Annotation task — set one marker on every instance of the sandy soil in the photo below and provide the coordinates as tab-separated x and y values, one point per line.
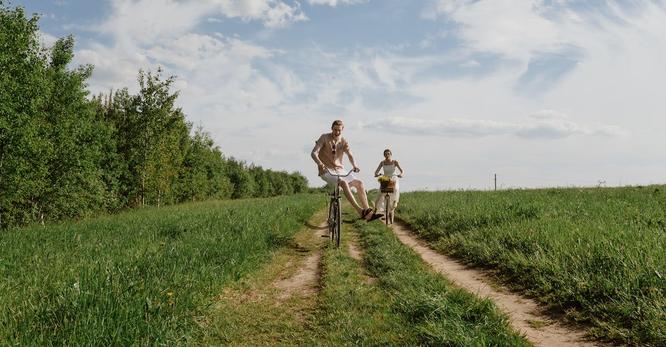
305	280
525	315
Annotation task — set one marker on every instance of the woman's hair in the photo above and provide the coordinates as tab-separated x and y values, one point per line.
388	150
336	122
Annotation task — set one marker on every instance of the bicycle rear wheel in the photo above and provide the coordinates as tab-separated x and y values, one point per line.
333	225
331	219
338	228
387	209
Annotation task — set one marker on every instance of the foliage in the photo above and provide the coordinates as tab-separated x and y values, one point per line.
24	148
66	155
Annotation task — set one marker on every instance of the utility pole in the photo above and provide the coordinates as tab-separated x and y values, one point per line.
495	181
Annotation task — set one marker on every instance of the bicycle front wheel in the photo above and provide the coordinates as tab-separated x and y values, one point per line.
338	225
331	219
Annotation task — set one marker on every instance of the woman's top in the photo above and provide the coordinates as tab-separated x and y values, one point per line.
389	169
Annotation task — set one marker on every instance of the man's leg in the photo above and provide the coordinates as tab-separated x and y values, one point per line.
360	190
350	197
362	195
378	201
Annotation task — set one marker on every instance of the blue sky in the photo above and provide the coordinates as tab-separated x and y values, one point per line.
541	92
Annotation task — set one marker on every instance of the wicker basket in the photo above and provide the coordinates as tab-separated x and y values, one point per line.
387	187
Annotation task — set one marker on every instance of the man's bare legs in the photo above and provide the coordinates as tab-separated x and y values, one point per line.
362	195
350	196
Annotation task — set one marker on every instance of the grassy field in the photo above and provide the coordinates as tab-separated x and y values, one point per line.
422	302
142	277
389	298
597	254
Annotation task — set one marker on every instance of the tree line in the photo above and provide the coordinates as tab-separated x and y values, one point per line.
65	154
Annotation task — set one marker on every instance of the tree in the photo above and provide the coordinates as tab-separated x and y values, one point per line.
203	175
75	185
24	148
298	182
241	179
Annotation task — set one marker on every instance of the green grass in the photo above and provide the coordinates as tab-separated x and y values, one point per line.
599	255
390	298
138	278
410	304
353	311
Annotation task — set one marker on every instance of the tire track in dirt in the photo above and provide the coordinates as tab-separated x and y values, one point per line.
525	315
357	254
305	280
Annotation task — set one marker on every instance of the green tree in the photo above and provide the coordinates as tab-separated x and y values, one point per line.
75	184
203	175
112	165
152	139
262	179
298	182
242	180
24	148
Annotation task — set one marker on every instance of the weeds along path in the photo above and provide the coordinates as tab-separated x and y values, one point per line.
525	314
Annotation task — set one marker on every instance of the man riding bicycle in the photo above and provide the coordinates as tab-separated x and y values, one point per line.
328	154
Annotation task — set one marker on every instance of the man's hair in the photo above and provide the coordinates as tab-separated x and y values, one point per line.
387	150
336	122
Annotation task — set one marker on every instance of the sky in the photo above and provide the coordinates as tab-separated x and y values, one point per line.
542	93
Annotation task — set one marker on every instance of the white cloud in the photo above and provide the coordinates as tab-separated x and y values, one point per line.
384	72
470	64
516	29
147	20
46	40
334	3
539	126
245	93
273	13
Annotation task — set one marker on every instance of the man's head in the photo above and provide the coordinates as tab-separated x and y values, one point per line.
336	128
387	153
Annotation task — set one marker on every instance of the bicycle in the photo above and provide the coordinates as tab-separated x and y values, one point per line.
335	211
387	187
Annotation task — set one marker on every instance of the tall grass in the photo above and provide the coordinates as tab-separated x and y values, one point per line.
142	277
597	254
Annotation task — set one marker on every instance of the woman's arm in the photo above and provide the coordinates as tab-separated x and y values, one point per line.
378	168
402	172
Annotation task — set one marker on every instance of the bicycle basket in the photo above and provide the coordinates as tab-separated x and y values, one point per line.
387	187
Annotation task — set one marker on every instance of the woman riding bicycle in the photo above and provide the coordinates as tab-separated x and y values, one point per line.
389	166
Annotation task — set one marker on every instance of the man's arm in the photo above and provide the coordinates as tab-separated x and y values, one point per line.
347	149
352	161
315	155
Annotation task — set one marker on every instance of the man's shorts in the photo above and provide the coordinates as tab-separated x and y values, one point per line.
333	180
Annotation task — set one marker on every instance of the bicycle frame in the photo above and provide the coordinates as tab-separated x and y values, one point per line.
387	209
335	211
388	206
